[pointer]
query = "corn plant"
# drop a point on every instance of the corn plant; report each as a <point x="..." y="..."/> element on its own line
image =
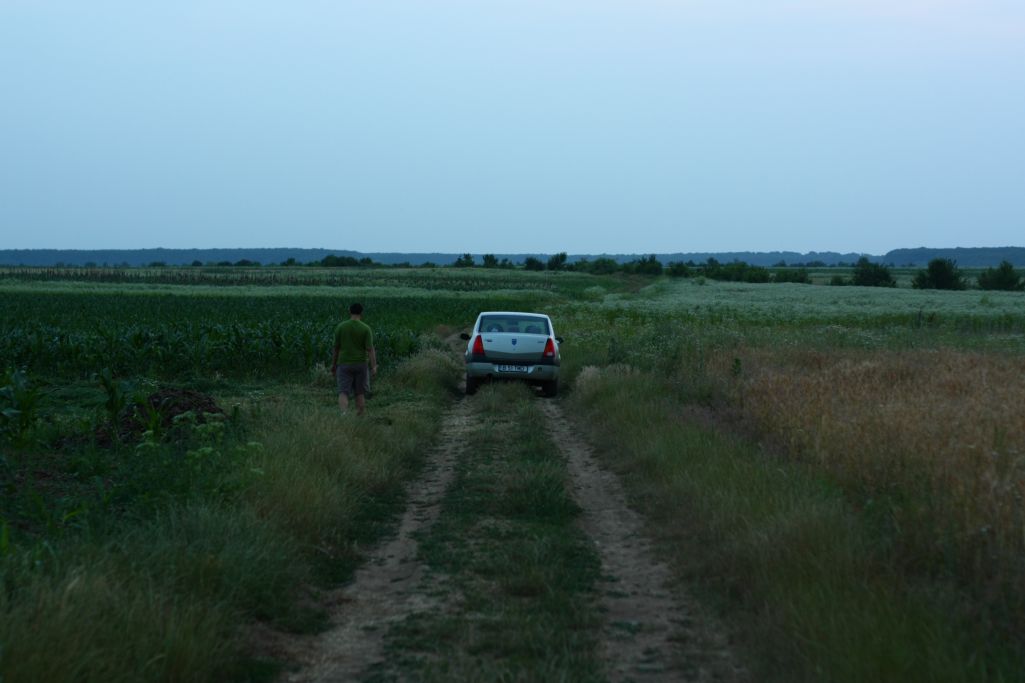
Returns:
<point x="19" y="403"/>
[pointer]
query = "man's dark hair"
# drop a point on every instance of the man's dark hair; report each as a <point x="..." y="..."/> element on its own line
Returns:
<point x="356" y="309"/>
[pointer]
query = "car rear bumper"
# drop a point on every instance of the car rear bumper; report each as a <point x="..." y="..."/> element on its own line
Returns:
<point x="530" y="372"/>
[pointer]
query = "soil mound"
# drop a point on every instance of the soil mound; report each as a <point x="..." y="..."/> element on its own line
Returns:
<point x="168" y="403"/>
<point x="171" y="403"/>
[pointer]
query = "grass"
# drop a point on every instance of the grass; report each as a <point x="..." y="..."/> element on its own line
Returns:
<point x="515" y="573"/>
<point x="806" y="579"/>
<point x="157" y="588"/>
<point x="867" y="526"/>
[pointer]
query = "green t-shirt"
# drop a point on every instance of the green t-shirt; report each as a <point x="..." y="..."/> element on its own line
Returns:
<point x="353" y="339"/>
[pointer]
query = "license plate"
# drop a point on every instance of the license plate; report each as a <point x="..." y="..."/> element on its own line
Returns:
<point x="511" y="368"/>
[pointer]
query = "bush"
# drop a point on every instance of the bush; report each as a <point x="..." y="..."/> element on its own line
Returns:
<point x="737" y="271"/>
<point x="1003" y="277"/>
<point x="532" y="263"/>
<point x="941" y="273"/>
<point x="332" y="261"/>
<point x="678" y="269"/>
<point x="646" y="266"/>
<point x="558" y="261"/>
<point x="868" y="274"/>
<point x="603" y="266"/>
<point x="798" y="275"/>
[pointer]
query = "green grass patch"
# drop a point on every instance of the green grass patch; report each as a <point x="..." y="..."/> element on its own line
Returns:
<point x="145" y="564"/>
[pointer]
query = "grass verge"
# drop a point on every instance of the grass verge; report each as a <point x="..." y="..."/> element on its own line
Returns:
<point x="807" y="581"/>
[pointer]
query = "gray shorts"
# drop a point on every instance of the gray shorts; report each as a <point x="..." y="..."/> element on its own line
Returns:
<point x="353" y="379"/>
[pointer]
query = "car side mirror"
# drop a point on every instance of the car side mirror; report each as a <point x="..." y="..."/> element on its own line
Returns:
<point x="558" y="339"/>
<point x="464" y="336"/>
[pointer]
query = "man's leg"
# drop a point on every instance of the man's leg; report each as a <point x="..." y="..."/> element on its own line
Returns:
<point x="359" y="384"/>
<point x="344" y="383"/>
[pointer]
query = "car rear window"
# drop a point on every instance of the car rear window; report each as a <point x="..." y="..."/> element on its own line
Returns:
<point x="521" y="324"/>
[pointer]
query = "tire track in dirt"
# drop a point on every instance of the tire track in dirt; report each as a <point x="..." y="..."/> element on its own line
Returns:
<point x="650" y="633"/>
<point x="388" y="587"/>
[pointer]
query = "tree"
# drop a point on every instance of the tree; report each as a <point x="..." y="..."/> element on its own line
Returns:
<point x="333" y="261"/>
<point x="557" y="261"/>
<point x="1003" y="277"/>
<point x="531" y="263"/>
<point x="464" y="261"/>
<point x="869" y="274"/>
<point x="645" y="266"/>
<point x="678" y="269"/>
<point x="941" y="273"/>
<point x="490" y="261"/>
<point x="604" y="266"/>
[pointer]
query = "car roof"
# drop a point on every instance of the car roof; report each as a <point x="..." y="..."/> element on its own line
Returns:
<point x="539" y="315"/>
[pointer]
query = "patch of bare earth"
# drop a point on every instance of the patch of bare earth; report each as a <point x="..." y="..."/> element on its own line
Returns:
<point x="651" y="632"/>
<point x="388" y="587"/>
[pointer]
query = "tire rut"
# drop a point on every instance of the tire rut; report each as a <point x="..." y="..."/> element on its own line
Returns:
<point x="651" y="633"/>
<point x="388" y="586"/>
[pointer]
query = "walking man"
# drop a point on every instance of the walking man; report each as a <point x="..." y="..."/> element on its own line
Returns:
<point x="354" y="346"/>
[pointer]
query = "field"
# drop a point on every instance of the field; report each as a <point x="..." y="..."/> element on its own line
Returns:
<point x="833" y="474"/>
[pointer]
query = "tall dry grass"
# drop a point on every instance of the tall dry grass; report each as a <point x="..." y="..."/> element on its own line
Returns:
<point x="801" y="576"/>
<point x="930" y="442"/>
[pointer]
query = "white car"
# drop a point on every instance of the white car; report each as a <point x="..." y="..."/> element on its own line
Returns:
<point x="513" y="345"/>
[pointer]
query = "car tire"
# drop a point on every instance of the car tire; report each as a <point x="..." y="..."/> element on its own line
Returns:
<point x="471" y="385"/>
<point x="550" y="389"/>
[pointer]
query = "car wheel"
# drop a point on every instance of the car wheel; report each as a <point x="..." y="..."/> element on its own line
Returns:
<point x="471" y="385"/>
<point x="550" y="389"/>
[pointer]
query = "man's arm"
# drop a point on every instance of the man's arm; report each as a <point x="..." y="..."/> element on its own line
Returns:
<point x="373" y="360"/>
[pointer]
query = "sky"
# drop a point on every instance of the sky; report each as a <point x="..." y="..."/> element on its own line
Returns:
<point x="597" y="126"/>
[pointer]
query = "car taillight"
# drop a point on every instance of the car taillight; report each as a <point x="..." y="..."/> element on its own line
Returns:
<point x="478" y="346"/>
<point x="549" y="349"/>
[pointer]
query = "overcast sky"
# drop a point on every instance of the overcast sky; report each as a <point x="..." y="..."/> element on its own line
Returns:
<point x="509" y="126"/>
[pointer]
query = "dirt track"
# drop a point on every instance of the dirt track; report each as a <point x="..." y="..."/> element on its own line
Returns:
<point x="650" y="633"/>
<point x="385" y="589"/>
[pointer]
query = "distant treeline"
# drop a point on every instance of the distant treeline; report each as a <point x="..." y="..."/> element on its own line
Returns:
<point x="331" y="270"/>
<point x="965" y="257"/>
